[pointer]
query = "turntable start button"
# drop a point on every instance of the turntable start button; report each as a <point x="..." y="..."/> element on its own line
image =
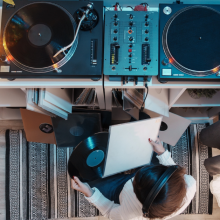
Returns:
<point x="5" y="69"/>
<point x="39" y="34"/>
<point x="166" y="72"/>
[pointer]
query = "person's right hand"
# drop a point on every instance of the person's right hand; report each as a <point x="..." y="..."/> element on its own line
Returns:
<point x="157" y="146"/>
<point x="81" y="187"/>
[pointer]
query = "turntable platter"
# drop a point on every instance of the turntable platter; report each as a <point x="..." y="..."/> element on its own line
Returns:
<point x="35" y="33"/>
<point x="191" y="40"/>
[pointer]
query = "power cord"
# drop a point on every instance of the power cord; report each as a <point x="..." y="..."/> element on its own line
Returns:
<point x="130" y="7"/>
<point x="106" y="8"/>
<point x="142" y="107"/>
<point x="145" y="5"/>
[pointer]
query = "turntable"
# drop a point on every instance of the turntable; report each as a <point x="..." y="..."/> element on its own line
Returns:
<point x="60" y="39"/>
<point x="189" y="46"/>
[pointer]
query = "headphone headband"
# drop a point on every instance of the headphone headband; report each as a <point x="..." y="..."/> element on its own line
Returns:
<point x="156" y="189"/>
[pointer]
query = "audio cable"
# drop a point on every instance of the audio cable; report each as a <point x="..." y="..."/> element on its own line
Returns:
<point x="142" y="107"/>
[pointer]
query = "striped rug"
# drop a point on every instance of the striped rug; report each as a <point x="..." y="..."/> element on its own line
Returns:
<point x="190" y="154"/>
<point x="37" y="182"/>
<point x="38" y="185"/>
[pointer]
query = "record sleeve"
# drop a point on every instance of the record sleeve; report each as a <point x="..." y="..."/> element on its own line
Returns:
<point x="106" y="116"/>
<point x="38" y="127"/>
<point x="129" y="146"/>
<point x="79" y="126"/>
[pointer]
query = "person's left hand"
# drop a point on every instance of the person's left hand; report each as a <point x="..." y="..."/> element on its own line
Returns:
<point x="81" y="187"/>
<point x="157" y="146"/>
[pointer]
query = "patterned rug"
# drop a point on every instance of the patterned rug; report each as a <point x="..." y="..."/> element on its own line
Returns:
<point x="190" y="154"/>
<point x="37" y="182"/>
<point x="38" y="185"/>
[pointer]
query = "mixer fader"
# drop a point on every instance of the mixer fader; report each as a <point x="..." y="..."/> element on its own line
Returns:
<point x="131" y="43"/>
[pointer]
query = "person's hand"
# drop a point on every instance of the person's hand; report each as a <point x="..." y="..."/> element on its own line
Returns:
<point x="157" y="146"/>
<point x="81" y="187"/>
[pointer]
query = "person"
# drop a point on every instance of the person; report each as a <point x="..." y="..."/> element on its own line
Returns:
<point x="173" y="198"/>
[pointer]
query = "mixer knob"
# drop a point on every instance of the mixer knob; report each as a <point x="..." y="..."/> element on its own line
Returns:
<point x="146" y="24"/>
<point x="131" y="16"/>
<point x="116" y="23"/>
<point x="146" y="39"/>
<point x="130" y="45"/>
<point x="146" y="16"/>
<point x="131" y="23"/>
<point x="130" y="38"/>
<point x="115" y="31"/>
<point x="115" y="38"/>
<point x="146" y="31"/>
<point x="130" y="55"/>
<point x="115" y="16"/>
<point x="94" y="17"/>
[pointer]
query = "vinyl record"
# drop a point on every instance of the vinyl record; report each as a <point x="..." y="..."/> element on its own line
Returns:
<point x="78" y="127"/>
<point x="34" y="34"/>
<point x="190" y="40"/>
<point x="87" y="161"/>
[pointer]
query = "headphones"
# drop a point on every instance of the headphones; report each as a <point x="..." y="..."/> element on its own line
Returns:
<point x="156" y="189"/>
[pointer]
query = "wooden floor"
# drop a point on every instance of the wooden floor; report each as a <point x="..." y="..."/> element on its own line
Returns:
<point x="18" y="125"/>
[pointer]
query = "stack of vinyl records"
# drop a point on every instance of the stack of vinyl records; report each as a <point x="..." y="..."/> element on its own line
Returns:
<point x="134" y="96"/>
<point x="130" y="99"/>
<point x="133" y="100"/>
<point x="50" y="101"/>
<point x="117" y="98"/>
<point x="84" y="97"/>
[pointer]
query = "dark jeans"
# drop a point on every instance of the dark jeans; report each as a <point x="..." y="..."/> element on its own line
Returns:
<point x="212" y="165"/>
<point x="112" y="186"/>
<point x="209" y="136"/>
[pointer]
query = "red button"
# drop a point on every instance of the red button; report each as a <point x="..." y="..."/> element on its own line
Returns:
<point x="129" y="50"/>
